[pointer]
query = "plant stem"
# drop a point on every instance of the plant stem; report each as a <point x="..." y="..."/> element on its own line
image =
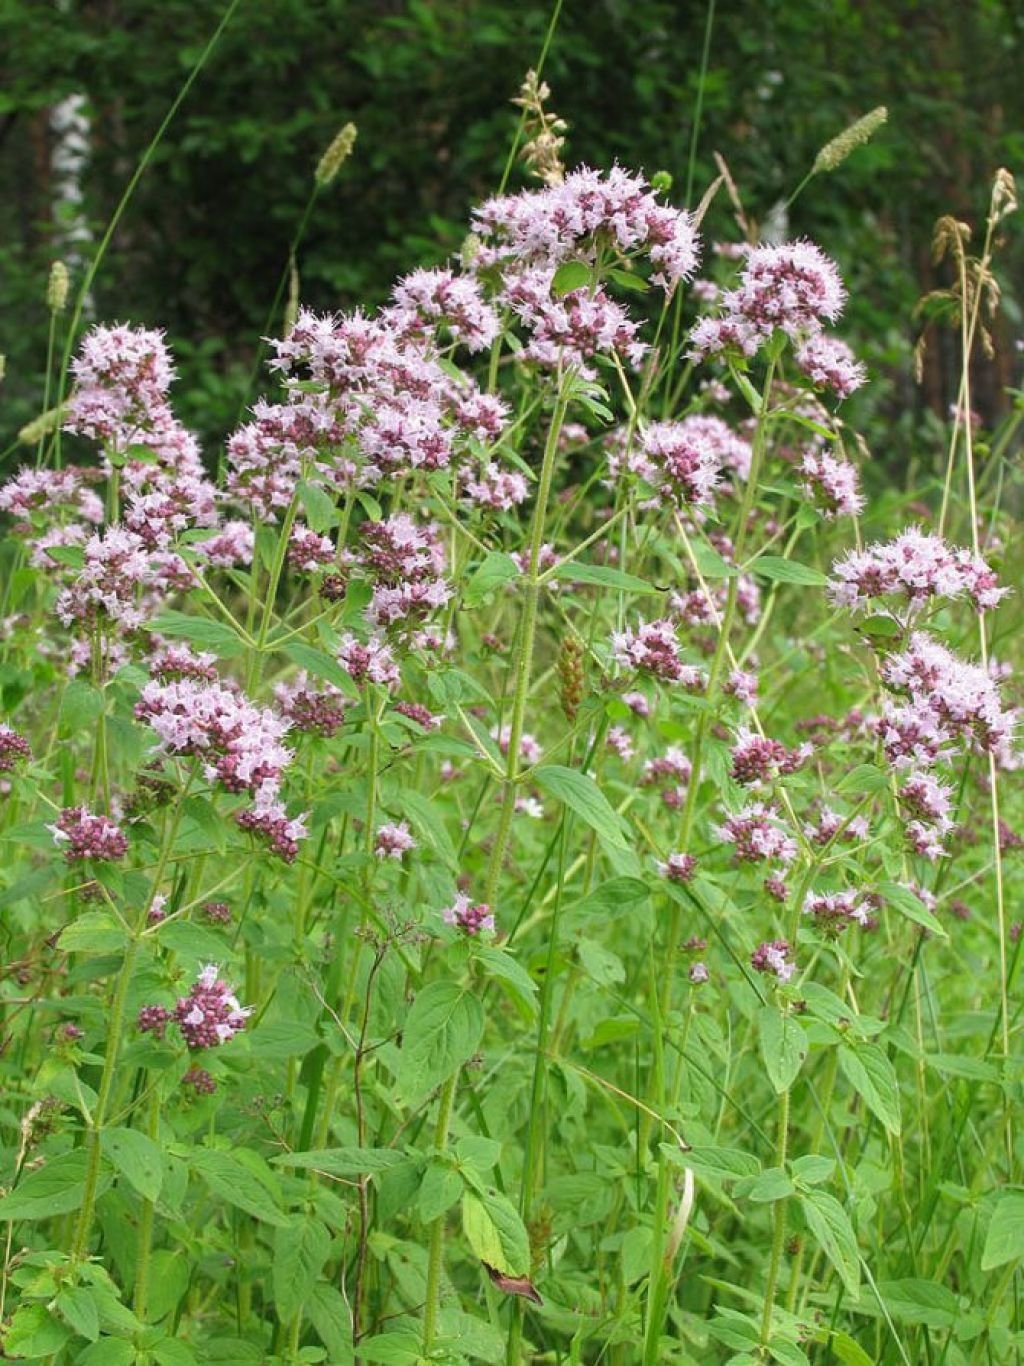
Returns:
<point x="436" y="1250"/>
<point x="528" y="629"/>
<point x="779" y="1233"/>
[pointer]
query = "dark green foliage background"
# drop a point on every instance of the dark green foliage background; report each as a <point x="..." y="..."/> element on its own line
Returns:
<point x="428" y="83"/>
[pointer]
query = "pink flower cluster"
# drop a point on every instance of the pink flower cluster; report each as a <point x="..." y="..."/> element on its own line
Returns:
<point x="308" y="709"/>
<point x="83" y="835"/>
<point x="464" y="915"/>
<point x="571" y="221"/>
<point x="371" y="662"/>
<point x="756" y="759"/>
<point x="210" y="1015"/>
<point x="683" y="461"/>
<point x="757" y="835"/>
<point x="671" y="773"/>
<point x="832" y="484"/>
<point x="122" y="375"/>
<point x="916" y="566"/>
<point x="573" y="327"/>
<point x="951" y="699"/>
<point x="116" y="566"/>
<point x="268" y="818"/>
<point x="406" y="563"/>
<point x="774" y="957"/>
<point x="654" y="648"/>
<point x="393" y="841"/>
<point x="241" y="742"/>
<point x="796" y="289"/>
<point x="14" y="749"/>
<point x="427" y="298"/>
<point x="834" y="911"/>
<point x="678" y="867"/>
<point x="494" y="487"/>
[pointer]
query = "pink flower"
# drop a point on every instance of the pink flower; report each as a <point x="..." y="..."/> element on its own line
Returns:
<point x="756" y="759"/>
<point x="210" y="1015"/>
<point x="687" y="461"/>
<point x="916" y="566"/>
<point x="268" y="819"/>
<point x="85" y="836"/>
<point x="654" y="648"/>
<point x="829" y="362"/>
<point x="14" y="749"/>
<point x="371" y="662"/>
<point x="471" y="919"/>
<point x="832" y="483"/>
<point x="438" y="296"/>
<point x="678" y="867"/>
<point x="774" y="957"/>
<point x="757" y="835"/>
<point x="393" y="841"/>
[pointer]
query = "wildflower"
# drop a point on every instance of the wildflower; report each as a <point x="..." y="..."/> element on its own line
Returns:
<point x="619" y="741"/>
<point x="86" y="836"/>
<point x="240" y="742"/>
<point x="917" y="566"/>
<point x="684" y="460"/>
<point x="757" y="835"/>
<point x="268" y="819"/>
<point x="14" y="749"/>
<point x="116" y="564"/>
<point x="210" y="1015"/>
<point x="756" y="759"/>
<point x="154" y="1020"/>
<point x="834" y="911"/>
<point x="200" y="1081"/>
<point x="698" y="974"/>
<point x="416" y="711"/>
<point x="832" y="484"/>
<point x="829" y="363"/>
<point x="217" y="912"/>
<point x="572" y="328"/>
<point x="776" y="888"/>
<point x="830" y="824"/>
<point x="671" y="772"/>
<point x="393" y="841"/>
<point x="949" y="699"/>
<point x="567" y="221"/>
<point x="793" y="287"/>
<point x="774" y="957"/>
<point x="316" y="712"/>
<point x="308" y="551"/>
<point x="678" y="867"/>
<point x="157" y="909"/>
<point x="121" y="375"/>
<point x="742" y="685"/>
<point x="178" y="660"/>
<point x="637" y="703"/>
<point x="470" y="918"/>
<point x="438" y="296"/>
<point x="654" y="648"/>
<point x="371" y="662"/>
<point x="496" y="488"/>
<point x="232" y="546"/>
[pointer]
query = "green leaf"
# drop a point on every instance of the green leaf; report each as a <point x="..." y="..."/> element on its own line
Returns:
<point x="232" y="1180"/>
<point x="440" y="1189"/>
<point x="282" y="1040"/>
<point x="863" y="779"/>
<point x="779" y="570"/>
<point x="845" y="1350"/>
<point x="773" y="1184"/>
<point x="603" y="576"/>
<point x="34" y="1333"/>
<point x="107" y="1352"/>
<point x="569" y="276"/>
<point x="168" y="1281"/>
<point x="831" y="1227"/>
<point x="319" y="507"/>
<point x="320" y="665"/>
<point x="343" y="1161"/>
<point x="495" y="1232"/>
<point x="872" y="1076"/>
<point x="783" y="1046"/>
<point x="441" y="1032"/>
<point x="599" y="963"/>
<point x="57" y="1188"/>
<point x="493" y="573"/>
<point x="1004" y="1241"/>
<point x="300" y="1251"/>
<point x="137" y="1158"/>
<point x="919" y="1301"/>
<point x="80" y="704"/>
<point x="724" y="1164"/>
<point x="909" y="904"/>
<point x="613" y="897"/>
<point x="581" y="794"/>
<point x="509" y="973"/>
<point x="400" y="1347"/>
<point x="71" y="555"/>
<point x="93" y="932"/>
<point x="628" y="280"/>
<point x="709" y="562"/>
<point x="77" y="1308"/>
<point x="199" y="631"/>
<point x="812" y="1169"/>
<point x="429" y="824"/>
<point x="331" y="1316"/>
